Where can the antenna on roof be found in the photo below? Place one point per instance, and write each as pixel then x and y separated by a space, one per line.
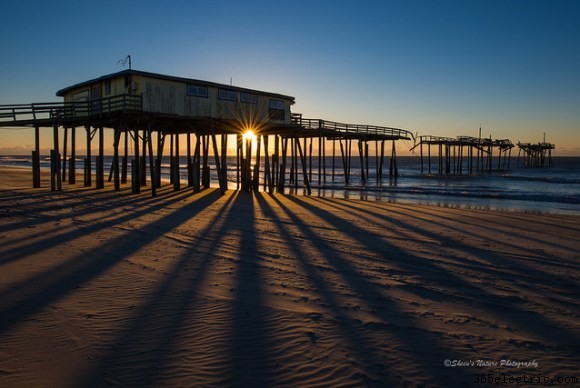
pixel 125 62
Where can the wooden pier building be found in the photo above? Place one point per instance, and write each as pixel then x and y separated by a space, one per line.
pixel 147 109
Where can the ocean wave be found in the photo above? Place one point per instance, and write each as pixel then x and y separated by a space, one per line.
pixel 489 193
pixel 545 179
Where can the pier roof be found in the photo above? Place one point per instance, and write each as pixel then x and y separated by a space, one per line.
pixel 123 73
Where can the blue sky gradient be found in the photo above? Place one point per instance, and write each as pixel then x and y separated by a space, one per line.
pixel 433 67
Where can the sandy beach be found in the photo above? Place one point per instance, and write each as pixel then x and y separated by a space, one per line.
pixel 99 288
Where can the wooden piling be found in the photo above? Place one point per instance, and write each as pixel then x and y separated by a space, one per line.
pixel 135 169
pixel 292 160
pixel 64 160
pixel 267 175
pixel 196 164
pixel 224 162
pixel 161 136
pixel 470 160
pixel 377 172
pixel 429 158
pixel 366 149
pixel 205 175
pixel 101 160
pixel 99 182
pixel 275 163
pixel 36 159
pixel 220 173
pixel 176 171
pixel 320 158
pixel 362 162
pixel 35 170
pixel 171 159
pixel 447 158
pixel 393 170
pixel 310 164
pixel 72 175
pixel 153 170
pixel 349 157
pixel 56 176
pixel 421 156
pixel 115 163
pixel 333 159
pixel 440 168
pixel 382 160
pixel 256 174
pixel 282 175
pixel 125 158
pixel 189 161
pixel 88 170
pixel 239 164
pixel 247 169
pixel 344 162
pixel 324 160
pixel 304 172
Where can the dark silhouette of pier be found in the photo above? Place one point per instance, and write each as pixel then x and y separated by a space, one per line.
pixel 134 126
pixel 147 110
pixel 463 154
pixel 536 154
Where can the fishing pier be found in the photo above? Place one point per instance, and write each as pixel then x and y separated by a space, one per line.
pixel 463 154
pixel 146 111
pixel 536 154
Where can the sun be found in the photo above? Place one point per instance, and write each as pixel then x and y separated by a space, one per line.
pixel 249 135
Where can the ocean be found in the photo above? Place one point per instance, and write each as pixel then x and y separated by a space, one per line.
pixel 554 189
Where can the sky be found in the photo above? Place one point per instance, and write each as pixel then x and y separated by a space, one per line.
pixel 441 68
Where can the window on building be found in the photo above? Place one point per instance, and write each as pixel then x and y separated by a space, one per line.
pixel 107 87
pixel 197 91
pixel 277 110
pixel 230 95
pixel 249 98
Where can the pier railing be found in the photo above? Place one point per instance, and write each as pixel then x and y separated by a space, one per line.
pixel 67 110
pixel 357 129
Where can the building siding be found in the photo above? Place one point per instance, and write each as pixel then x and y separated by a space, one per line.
pixel 170 97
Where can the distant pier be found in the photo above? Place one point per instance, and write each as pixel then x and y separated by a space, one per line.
pixel 536 154
pixel 463 154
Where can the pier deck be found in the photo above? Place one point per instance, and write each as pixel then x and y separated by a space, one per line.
pixel 124 114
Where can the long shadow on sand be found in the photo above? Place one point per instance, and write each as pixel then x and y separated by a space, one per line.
pixel 174 311
pixel 108 203
pixel 418 341
pixel 370 370
pixel 502 265
pixel 421 348
pixel 41 290
pixel 155 341
pixel 505 308
pixel 105 203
